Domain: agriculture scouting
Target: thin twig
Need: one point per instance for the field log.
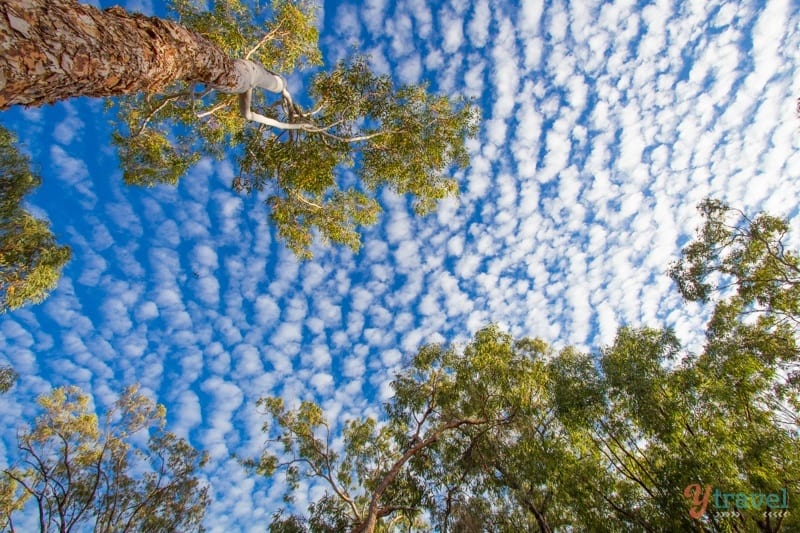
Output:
(305, 201)
(264, 39)
(213, 109)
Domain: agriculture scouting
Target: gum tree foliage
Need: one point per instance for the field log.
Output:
(604, 441)
(198, 89)
(7, 378)
(76, 473)
(742, 266)
(319, 166)
(30, 259)
(375, 481)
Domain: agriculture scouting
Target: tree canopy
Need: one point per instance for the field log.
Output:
(78, 472)
(321, 165)
(197, 90)
(30, 259)
(514, 435)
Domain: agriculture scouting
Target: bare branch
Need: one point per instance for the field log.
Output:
(213, 110)
(167, 100)
(300, 197)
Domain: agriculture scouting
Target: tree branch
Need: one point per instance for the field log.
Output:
(168, 99)
(368, 525)
(213, 110)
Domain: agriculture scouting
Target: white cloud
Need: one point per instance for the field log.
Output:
(322, 382)
(452, 31)
(69, 169)
(603, 125)
(410, 69)
(267, 311)
(478, 26)
(247, 361)
(69, 128)
(347, 23)
(373, 14)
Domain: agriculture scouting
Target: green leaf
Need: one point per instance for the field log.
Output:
(30, 260)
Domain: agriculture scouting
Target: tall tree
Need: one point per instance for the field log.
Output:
(743, 267)
(630, 438)
(375, 482)
(30, 259)
(402, 138)
(76, 473)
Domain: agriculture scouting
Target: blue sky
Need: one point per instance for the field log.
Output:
(604, 125)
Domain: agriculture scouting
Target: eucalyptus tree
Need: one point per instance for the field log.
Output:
(640, 435)
(743, 267)
(30, 259)
(197, 88)
(76, 474)
(376, 481)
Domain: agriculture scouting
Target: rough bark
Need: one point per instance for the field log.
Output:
(56, 49)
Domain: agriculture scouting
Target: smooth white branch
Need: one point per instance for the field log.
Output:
(249, 114)
(252, 75)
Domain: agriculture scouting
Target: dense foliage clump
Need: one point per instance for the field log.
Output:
(30, 259)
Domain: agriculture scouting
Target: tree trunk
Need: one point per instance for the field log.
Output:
(374, 510)
(56, 49)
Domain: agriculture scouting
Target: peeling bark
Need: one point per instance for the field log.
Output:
(56, 49)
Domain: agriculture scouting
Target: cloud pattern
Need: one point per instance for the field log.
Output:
(604, 124)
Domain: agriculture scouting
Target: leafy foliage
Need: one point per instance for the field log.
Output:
(748, 255)
(743, 264)
(7, 378)
(565, 440)
(282, 37)
(377, 475)
(30, 259)
(79, 473)
(402, 138)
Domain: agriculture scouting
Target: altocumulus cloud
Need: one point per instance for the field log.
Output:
(604, 123)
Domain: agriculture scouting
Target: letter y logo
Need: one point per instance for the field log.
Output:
(699, 499)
